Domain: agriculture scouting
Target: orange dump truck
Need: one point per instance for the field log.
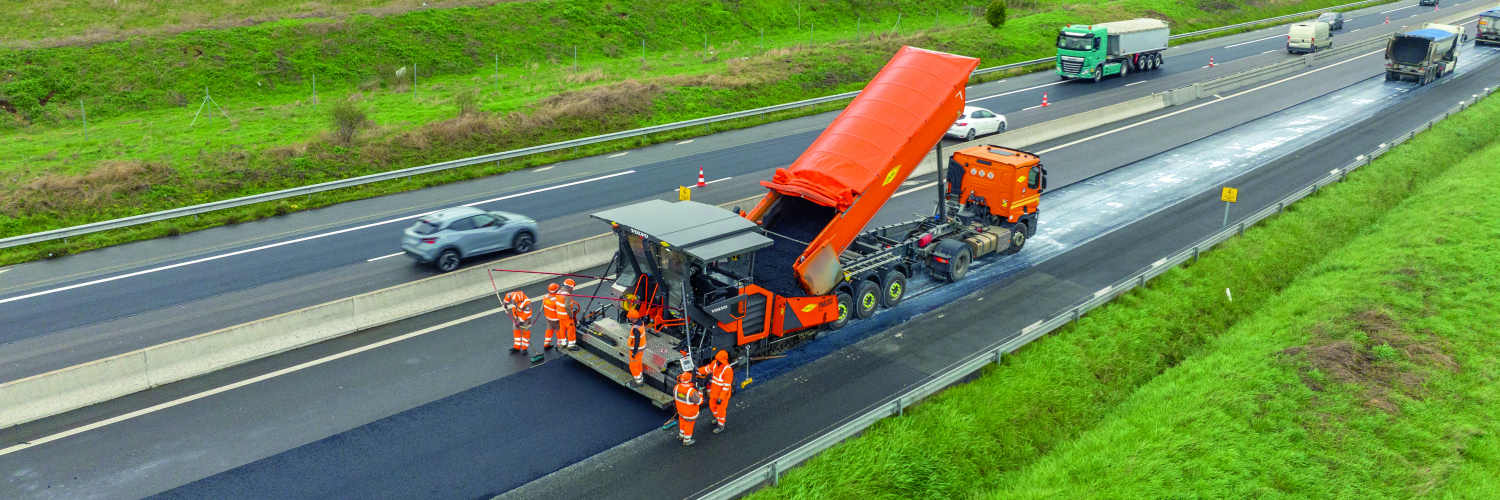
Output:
(754, 283)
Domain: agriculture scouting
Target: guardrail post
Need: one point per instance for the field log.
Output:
(1075, 315)
(1140, 280)
(1242, 229)
(998, 355)
(1195, 254)
(775, 475)
(899, 410)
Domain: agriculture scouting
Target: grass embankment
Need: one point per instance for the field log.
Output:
(140, 153)
(1357, 359)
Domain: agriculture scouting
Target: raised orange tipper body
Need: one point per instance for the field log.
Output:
(802, 260)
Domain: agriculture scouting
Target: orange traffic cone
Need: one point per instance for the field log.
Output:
(1210, 61)
(700, 178)
(1044, 100)
(1388, 19)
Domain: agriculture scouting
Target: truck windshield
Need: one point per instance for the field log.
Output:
(1408, 50)
(1085, 43)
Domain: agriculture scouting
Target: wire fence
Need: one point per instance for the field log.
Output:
(770, 471)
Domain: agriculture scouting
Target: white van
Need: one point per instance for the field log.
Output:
(1308, 37)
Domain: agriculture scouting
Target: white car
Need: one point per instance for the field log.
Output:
(976, 121)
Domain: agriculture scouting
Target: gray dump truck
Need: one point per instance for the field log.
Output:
(1423, 55)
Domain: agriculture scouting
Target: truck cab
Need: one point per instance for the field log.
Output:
(1488, 30)
(1081, 51)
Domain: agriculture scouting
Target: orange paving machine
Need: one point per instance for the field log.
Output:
(757, 282)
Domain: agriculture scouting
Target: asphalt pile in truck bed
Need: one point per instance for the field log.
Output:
(793, 223)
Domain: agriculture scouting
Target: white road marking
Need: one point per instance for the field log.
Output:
(721, 179)
(1003, 94)
(1031, 108)
(544, 169)
(617, 155)
(1253, 41)
(689, 141)
(384, 257)
(1396, 9)
(294, 241)
(4, 270)
(1218, 100)
(1135, 83)
(1204, 67)
(1355, 29)
(260, 378)
(1270, 51)
(915, 189)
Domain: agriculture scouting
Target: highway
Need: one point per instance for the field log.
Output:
(74, 309)
(444, 412)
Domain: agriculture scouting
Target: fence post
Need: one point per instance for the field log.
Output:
(85, 119)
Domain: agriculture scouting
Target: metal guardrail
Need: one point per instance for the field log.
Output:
(134, 220)
(771, 470)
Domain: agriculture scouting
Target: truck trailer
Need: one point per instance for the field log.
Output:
(757, 282)
(1093, 51)
(1423, 55)
(1488, 30)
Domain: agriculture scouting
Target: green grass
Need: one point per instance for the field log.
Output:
(141, 154)
(1171, 390)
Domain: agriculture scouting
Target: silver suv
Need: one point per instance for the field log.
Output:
(446, 237)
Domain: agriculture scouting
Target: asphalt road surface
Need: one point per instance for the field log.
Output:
(434, 407)
(79, 308)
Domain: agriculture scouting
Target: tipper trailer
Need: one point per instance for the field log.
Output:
(757, 282)
(1094, 51)
(1423, 55)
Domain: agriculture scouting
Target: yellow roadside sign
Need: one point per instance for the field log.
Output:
(1229, 195)
(684, 194)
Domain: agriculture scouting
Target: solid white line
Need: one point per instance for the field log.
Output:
(384, 257)
(1002, 94)
(4, 270)
(260, 378)
(1203, 67)
(1031, 108)
(689, 141)
(544, 169)
(294, 241)
(721, 179)
(1218, 100)
(1270, 51)
(1396, 9)
(617, 155)
(915, 189)
(1135, 83)
(1355, 29)
(1253, 41)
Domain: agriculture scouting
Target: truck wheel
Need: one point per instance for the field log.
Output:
(845, 309)
(892, 288)
(1159, 60)
(1124, 68)
(959, 266)
(866, 299)
(1017, 239)
(1098, 73)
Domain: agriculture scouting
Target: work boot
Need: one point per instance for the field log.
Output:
(514, 350)
(718, 428)
(573, 347)
(687, 442)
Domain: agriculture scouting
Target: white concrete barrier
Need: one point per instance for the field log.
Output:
(77, 386)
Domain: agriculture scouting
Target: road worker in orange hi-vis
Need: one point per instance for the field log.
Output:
(567, 316)
(720, 380)
(519, 307)
(550, 306)
(636, 342)
(688, 401)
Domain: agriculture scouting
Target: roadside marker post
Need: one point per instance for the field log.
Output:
(1230, 196)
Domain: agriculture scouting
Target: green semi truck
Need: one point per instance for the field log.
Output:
(1094, 51)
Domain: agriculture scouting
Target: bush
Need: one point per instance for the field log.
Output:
(347, 119)
(467, 102)
(995, 15)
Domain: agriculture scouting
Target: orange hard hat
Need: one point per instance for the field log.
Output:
(685, 377)
(722, 356)
(569, 283)
(634, 314)
(552, 287)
